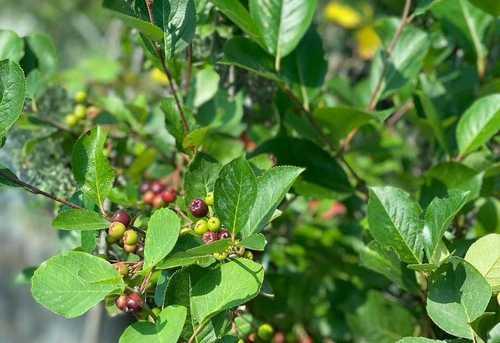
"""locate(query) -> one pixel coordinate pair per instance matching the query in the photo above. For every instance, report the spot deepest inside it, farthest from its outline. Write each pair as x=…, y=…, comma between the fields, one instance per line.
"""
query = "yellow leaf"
x=343, y=15
x=367, y=41
x=158, y=76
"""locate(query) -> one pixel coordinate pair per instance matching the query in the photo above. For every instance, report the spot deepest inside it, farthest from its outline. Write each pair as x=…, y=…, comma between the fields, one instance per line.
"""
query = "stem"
x=187, y=80
x=171, y=81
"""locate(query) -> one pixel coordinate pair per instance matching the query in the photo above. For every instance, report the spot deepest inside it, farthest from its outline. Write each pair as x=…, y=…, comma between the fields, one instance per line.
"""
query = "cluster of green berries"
x=80, y=111
x=157, y=194
x=233, y=251
x=265, y=333
x=118, y=232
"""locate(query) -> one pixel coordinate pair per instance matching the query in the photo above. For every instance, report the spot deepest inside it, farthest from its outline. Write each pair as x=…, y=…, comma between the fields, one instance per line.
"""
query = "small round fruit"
x=169, y=196
x=71, y=120
x=224, y=234
x=80, y=112
x=116, y=230
x=80, y=96
x=198, y=208
x=157, y=187
x=121, y=303
x=146, y=186
x=148, y=197
x=122, y=217
x=209, y=199
x=110, y=239
x=158, y=201
x=201, y=227
x=220, y=256
x=130, y=237
x=134, y=302
x=129, y=248
x=122, y=268
x=248, y=254
x=265, y=332
x=210, y=237
x=213, y=224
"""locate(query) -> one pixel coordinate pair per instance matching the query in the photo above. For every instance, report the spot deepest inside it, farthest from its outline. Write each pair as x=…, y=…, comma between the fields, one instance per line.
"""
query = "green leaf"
x=79, y=219
x=235, y=194
x=238, y=14
x=7, y=178
x=232, y=284
x=438, y=216
x=12, y=88
x=202, y=254
x=394, y=220
x=11, y=46
x=419, y=340
x=484, y=255
x=380, y=320
x=255, y=242
x=205, y=86
x=91, y=168
x=282, y=23
x=168, y=328
x=195, y=138
x=73, y=282
x=200, y=177
x=458, y=294
x=425, y=105
x=339, y=121
x=179, y=25
x=161, y=236
x=123, y=11
x=42, y=48
x=272, y=187
x=490, y=6
x=478, y=124
x=173, y=121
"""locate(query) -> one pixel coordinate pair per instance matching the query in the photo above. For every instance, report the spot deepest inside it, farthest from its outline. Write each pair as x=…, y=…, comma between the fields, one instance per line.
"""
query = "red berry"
x=223, y=234
x=121, y=302
x=157, y=201
x=134, y=302
x=146, y=186
x=169, y=196
x=122, y=217
x=198, y=208
x=209, y=237
x=148, y=197
x=157, y=187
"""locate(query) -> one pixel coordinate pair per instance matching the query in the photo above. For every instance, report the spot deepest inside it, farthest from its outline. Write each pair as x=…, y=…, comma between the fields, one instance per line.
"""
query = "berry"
x=122, y=268
x=201, y=227
x=130, y=237
x=110, y=239
x=279, y=337
x=80, y=96
x=224, y=234
x=214, y=224
x=122, y=217
x=146, y=186
x=220, y=256
x=134, y=302
x=248, y=254
x=198, y=208
x=209, y=199
x=265, y=332
x=158, y=201
x=157, y=187
x=129, y=248
x=121, y=303
x=209, y=237
x=116, y=230
x=148, y=197
x=169, y=196
x=80, y=112
x=71, y=120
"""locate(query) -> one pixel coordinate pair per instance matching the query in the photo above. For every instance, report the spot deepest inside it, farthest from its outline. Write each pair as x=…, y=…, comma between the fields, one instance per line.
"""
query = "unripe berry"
x=224, y=234
x=130, y=237
x=158, y=201
x=209, y=199
x=134, y=302
x=248, y=254
x=220, y=256
x=201, y=227
x=122, y=217
x=265, y=332
x=129, y=248
x=209, y=237
x=80, y=112
x=157, y=187
x=148, y=197
x=80, y=96
x=71, y=120
x=214, y=224
x=198, y=208
x=116, y=230
x=121, y=302
x=169, y=196
x=122, y=268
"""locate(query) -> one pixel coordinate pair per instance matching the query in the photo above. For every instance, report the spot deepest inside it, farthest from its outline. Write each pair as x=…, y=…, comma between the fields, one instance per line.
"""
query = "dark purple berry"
x=209, y=237
x=134, y=302
x=122, y=217
x=223, y=234
x=198, y=208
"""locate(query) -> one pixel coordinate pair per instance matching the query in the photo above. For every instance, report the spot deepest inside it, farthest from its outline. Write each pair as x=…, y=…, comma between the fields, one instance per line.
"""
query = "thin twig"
x=400, y=113
x=189, y=73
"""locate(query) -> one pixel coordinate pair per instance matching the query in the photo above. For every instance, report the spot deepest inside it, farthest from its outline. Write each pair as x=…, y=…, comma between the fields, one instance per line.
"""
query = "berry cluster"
x=118, y=232
x=157, y=194
x=80, y=111
x=131, y=303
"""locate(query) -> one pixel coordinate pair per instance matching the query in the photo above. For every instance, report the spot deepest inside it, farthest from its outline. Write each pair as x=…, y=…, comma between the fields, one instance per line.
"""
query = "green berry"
x=265, y=332
x=201, y=227
x=71, y=120
x=220, y=256
x=213, y=224
x=130, y=237
x=80, y=96
x=209, y=199
x=116, y=230
x=80, y=112
x=248, y=254
x=130, y=248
